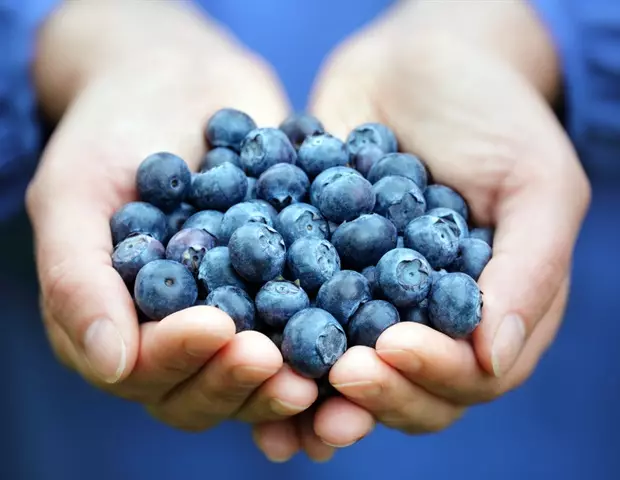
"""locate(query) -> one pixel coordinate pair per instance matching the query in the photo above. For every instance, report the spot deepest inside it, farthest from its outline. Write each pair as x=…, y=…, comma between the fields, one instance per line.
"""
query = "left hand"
x=474, y=110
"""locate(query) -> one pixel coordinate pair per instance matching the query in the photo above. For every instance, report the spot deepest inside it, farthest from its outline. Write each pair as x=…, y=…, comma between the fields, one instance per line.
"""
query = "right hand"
x=140, y=92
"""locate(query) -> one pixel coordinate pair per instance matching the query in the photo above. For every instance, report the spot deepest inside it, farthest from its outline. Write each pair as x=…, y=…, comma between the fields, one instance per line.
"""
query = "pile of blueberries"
x=318, y=243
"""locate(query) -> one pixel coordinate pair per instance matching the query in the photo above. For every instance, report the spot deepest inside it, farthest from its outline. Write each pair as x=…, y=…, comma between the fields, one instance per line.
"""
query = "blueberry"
x=312, y=261
x=366, y=157
x=236, y=303
x=434, y=238
x=257, y=252
x=416, y=314
x=455, y=305
x=216, y=271
x=264, y=148
x=370, y=321
x=456, y=221
x=189, y=246
x=343, y=294
x=320, y=152
x=325, y=179
x=133, y=253
x=437, y=274
x=209, y=220
x=228, y=127
x=164, y=287
x=312, y=342
x=217, y=156
x=276, y=338
x=278, y=300
x=404, y=277
x=138, y=217
x=473, y=255
x=239, y=215
x=346, y=198
x=178, y=217
x=250, y=194
x=442, y=196
x=483, y=233
x=219, y=188
x=372, y=134
x=282, y=185
x=163, y=180
x=370, y=273
x=301, y=220
x=403, y=164
x=267, y=209
x=399, y=200
x=400, y=242
x=298, y=126
x=333, y=226
x=364, y=241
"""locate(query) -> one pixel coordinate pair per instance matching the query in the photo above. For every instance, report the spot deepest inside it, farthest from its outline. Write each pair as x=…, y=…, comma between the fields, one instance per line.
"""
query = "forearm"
x=89, y=38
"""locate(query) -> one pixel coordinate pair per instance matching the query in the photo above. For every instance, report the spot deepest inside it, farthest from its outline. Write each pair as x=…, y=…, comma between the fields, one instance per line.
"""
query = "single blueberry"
x=133, y=253
x=208, y=220
x=372, y=134
x=366, y=157
x=404, y=277
x=343, y=294
x=442, y=196
x=473, y=255
x=370, y=321
x=264, y=148
x=163, y=180
x=403, y=164
x=399, y=200
x=301, y=220
x=437, y=274
x=434, y=238
x=416, y=314
x=189, y=246
x=370, y=273
x=312, y=342
x=228, y=127
x=325, y=178
x=320, y=152
x=257, y=252
x=138, y=217
x=346, y=198
x=312, y=261
x=164, y=287
x=250, y=194
x=216, y=271
x=178, y=217
x=483, y=233
x=219, y=188
x=236, y=303
x=217, y=156
x=298, y=126
x=239, y=215
x=282, y=185
x=267, y=209
x=455, y=305
x=364, y=241
x=278, y=300
x=456, y=221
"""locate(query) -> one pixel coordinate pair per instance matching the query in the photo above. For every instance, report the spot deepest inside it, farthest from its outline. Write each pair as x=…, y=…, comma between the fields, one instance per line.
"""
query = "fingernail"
x=402, y=359
x=250, y=376
x=339, y=446
x=105, y=350
x=284, y=408
x=507, y=344
x=364, y=389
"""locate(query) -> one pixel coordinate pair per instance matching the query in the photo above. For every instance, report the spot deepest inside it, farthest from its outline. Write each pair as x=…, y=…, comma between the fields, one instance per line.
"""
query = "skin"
x=491, y=136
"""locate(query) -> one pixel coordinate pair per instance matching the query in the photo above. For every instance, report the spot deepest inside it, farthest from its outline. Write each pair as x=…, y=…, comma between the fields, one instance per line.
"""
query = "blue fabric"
x=563, y=423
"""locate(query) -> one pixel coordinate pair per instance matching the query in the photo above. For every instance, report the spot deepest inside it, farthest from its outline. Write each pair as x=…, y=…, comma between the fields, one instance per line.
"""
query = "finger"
x=340, y=423
x=223, y=385
x=283, y=395
x=278, y=440
x=361, y=376
x=311, y=443
x=449, y=368
x=176, y=348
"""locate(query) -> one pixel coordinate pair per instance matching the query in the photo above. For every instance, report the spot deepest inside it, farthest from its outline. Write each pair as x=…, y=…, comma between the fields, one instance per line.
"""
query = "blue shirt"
x=563, y=423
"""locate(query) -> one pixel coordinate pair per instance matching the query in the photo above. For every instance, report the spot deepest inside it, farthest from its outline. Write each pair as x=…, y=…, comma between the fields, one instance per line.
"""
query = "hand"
x=471, y=105
x=147, y=86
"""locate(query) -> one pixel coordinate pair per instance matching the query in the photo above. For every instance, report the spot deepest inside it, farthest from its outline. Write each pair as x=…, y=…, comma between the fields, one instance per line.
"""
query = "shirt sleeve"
x=20, y=129
x=587, y=38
